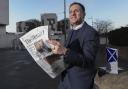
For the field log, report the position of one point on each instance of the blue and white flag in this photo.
(112, 55)
(112, 59)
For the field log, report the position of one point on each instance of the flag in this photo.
(112, 59)
(112, 55)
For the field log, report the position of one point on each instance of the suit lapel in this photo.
(84, 27)
(68, 38)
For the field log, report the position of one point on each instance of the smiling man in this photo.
(80, 51)
(76, 14)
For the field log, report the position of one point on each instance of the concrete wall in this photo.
(2, 31)
(7, 41)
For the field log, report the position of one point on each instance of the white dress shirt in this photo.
(77, 27)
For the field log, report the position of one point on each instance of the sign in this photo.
(49, 19)
(112, 60)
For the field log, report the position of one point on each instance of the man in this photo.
(80, 51)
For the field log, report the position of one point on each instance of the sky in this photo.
(115, 11)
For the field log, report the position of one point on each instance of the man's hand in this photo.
(57, 47)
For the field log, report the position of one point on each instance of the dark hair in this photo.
(81, 5)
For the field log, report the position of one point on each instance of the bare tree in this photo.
(103, 26)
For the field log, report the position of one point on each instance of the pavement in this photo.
(19, 71)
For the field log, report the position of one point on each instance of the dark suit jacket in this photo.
(83, 45)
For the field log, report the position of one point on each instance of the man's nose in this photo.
(73, 13)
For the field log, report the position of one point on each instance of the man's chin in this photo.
(73, 22)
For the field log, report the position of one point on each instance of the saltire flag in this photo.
(112, 55)
(112, 59)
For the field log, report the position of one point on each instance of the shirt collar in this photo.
(77, 27)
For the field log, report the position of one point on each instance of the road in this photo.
(19, 71)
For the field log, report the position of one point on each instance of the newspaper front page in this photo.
(52, 64)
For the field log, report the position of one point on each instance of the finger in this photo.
(55, 42)
(52, 42)
(54, 51)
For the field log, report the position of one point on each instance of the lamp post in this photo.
(65, 20)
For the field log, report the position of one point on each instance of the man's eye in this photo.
(73, 11)
(77, 11)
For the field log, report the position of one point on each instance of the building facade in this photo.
(4, 21)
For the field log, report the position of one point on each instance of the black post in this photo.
(65, 20)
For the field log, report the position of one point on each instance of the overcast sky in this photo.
(113, 10)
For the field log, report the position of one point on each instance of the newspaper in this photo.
(52, 64)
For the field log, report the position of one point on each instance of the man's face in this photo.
(76, 15)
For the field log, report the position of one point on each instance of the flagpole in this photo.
(65, 20)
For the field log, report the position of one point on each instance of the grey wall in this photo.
(4, 12)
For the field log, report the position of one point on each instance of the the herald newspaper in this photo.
(36, 43)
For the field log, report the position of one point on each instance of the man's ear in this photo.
(84, 14)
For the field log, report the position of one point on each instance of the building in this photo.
(26, 26)
(7, 40)
(4, 21)
(55, 27)
(4, 16)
